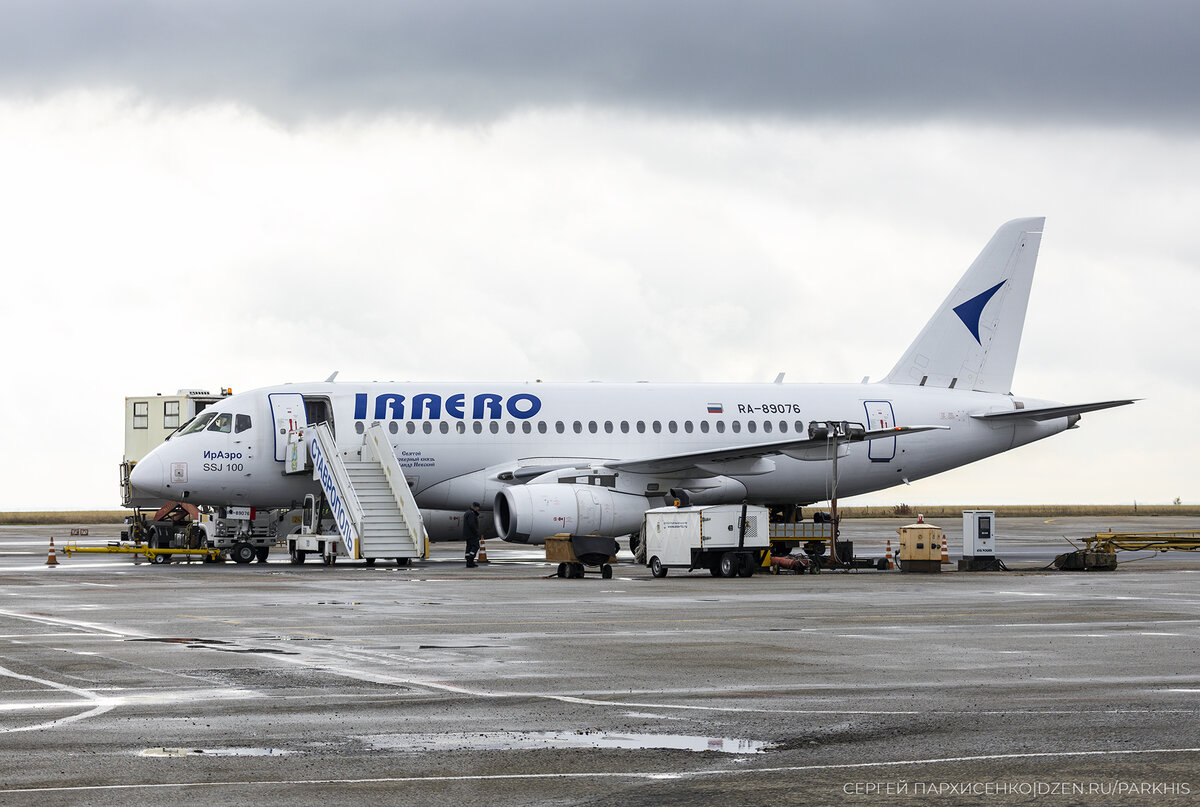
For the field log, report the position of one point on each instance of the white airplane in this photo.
(590, 458)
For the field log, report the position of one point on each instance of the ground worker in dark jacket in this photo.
(471, 533)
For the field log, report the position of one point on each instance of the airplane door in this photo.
(880, 416)
(287, 411)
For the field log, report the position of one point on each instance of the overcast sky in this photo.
(240, 194)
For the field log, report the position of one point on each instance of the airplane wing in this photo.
(1052, 412)
(702, 461)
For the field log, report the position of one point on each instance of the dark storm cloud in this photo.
(1068, 60)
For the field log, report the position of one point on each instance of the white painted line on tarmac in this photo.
(642, 775)
(100, 705)
(91, 626)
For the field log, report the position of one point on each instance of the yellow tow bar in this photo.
(151, 554)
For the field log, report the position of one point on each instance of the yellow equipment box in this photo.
(920, 548)
(558, 549)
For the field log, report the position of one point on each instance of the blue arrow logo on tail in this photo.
(970, 311)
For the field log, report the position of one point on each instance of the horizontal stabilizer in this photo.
(1052, 412)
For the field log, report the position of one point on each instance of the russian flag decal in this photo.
(716, 409)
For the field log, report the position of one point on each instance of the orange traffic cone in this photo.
(945, 551)
(888, 556)
(52, 558)
(482, 556)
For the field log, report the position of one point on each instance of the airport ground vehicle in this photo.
(241, 533)
(727, 539)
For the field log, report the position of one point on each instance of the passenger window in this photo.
(541, 427)
(494, 427)
(477, 427)
(799, 427)
(608, 427)
(221, 423)
(624, 427)
(510, 427)
(578, 427)
(559, 426)
(687, 426)
(672, 427)
(641, 427)
(444, 427)
(427, 427)
(704, 426)
(592, 426)
(526, 427)
(460, 427)
(241, 423)
(393, 427)
(410, 427)
(737, 426)
(656, 427)
(751, 426)
(767, 426)
(720, 427)
(783, 427)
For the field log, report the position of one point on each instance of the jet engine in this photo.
(527, 514)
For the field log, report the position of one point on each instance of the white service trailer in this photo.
(726, 539)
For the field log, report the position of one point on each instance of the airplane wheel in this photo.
(606, 572)
(729, 565)
(562, 570)
(656, 567)
(242, 553)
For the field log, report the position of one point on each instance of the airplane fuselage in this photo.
(460, 443)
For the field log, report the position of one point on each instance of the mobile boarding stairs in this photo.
(367, 496)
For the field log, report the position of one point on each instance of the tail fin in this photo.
(972, 340)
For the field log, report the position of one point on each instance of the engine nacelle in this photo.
(528, 514)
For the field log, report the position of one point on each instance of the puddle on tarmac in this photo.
(528, 740)
(162, 751)
(178, 640)
(214, 644)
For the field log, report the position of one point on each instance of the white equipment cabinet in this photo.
(726, 539)
(978, 535)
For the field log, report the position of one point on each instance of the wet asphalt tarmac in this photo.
(124, 682)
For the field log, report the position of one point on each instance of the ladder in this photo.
(375, 511)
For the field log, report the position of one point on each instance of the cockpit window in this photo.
(221, 423)
(198, 423)
(241, 423)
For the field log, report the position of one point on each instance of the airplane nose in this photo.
(147, 475)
